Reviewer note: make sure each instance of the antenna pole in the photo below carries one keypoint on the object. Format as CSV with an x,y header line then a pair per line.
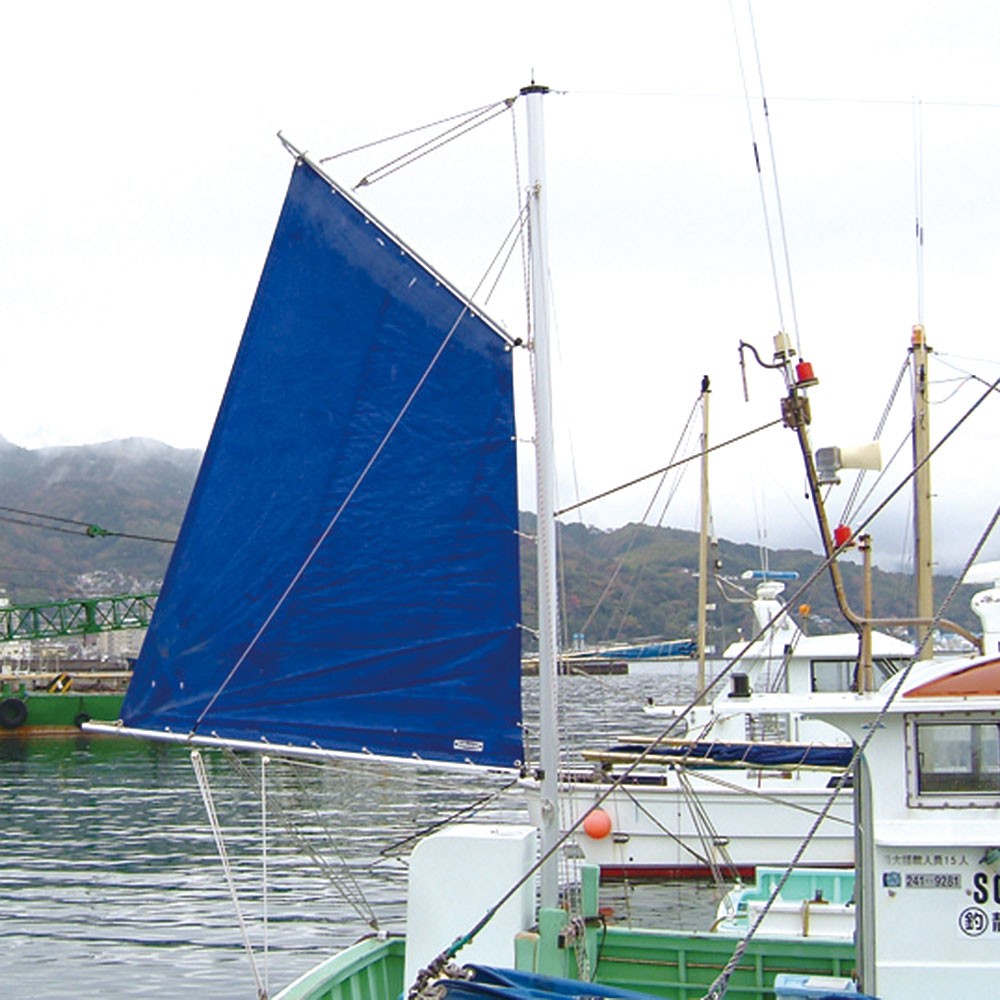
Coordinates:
x,y
923,555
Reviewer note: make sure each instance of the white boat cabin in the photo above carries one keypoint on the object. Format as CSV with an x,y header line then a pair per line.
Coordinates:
x,y
927,798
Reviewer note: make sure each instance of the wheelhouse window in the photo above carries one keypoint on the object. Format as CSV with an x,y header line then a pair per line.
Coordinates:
x,y
838,675
961,757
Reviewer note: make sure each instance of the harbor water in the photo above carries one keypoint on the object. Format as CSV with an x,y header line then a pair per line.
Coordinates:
x,y
111,883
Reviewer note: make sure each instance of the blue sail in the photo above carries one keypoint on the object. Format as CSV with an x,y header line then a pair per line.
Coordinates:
x,y
346,575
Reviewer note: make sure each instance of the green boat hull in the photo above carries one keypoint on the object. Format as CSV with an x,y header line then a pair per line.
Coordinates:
x,y
29,712
673,964
670,964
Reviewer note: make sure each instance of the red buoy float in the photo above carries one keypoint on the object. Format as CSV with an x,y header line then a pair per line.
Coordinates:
x,y
597,824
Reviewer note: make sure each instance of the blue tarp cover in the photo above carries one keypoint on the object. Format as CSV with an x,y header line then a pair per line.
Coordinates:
x,y
749,754
327,588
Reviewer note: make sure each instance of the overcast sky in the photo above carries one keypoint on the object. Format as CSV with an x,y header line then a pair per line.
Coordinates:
x,y
142,180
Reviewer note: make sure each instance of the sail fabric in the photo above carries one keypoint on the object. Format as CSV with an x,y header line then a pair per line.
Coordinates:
x,y
328,591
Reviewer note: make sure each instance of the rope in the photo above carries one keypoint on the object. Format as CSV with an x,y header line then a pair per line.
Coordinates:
x,y
708,836
481,803
719,987
206,793
759,794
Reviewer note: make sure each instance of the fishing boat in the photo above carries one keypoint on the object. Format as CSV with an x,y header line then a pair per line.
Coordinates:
x,y
739,778
692,802
345,586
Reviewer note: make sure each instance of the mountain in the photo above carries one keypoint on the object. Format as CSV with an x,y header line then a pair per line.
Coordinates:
x,y
136,489
623,584
640,582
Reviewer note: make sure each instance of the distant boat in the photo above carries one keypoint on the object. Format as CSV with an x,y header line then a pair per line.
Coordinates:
x,y
57,696
32,704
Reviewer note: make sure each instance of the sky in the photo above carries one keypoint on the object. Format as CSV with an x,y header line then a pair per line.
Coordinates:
x,y
142,180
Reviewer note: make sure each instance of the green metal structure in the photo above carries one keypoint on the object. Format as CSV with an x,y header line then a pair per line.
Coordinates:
x,y
50,702
81,616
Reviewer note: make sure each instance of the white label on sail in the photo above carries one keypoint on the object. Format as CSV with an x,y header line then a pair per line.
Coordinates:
x,y
469,746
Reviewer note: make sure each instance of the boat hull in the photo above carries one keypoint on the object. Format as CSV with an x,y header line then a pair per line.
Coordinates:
x,y
40,713
669,964
690,825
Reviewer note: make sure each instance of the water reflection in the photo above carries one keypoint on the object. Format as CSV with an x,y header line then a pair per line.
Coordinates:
x,y
111,885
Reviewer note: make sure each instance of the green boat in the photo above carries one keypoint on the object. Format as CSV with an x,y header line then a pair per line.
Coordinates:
x,y
71,692
675,965
53,704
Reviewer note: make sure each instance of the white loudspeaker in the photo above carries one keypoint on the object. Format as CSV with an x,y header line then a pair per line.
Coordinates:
x,y
862,456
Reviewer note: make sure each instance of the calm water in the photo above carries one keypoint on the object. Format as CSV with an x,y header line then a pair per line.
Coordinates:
x,y
111,885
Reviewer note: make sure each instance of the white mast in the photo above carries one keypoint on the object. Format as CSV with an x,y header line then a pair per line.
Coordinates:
x,y
548,621
703,539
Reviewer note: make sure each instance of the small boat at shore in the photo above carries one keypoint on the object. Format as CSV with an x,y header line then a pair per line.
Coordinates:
x,y
46,691
53,703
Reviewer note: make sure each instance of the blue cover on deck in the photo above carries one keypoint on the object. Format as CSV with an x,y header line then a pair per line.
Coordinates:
x,y
653,650
496,984
744,754
346,575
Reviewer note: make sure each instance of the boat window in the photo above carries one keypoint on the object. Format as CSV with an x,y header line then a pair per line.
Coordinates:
x,y
886,667
838,675
958,757
833,675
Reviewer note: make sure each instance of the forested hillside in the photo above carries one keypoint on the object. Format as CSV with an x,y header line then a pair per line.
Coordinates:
x,y
99,519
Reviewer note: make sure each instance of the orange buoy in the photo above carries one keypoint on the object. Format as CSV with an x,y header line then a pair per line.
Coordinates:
x,y
597,824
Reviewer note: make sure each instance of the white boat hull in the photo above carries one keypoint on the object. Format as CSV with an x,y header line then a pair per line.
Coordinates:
x,y
687,829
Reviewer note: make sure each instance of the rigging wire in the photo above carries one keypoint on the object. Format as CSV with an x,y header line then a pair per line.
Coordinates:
x,y
634,536
782,231
435,143
90,530
668,468
466,116
852,499
348,887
